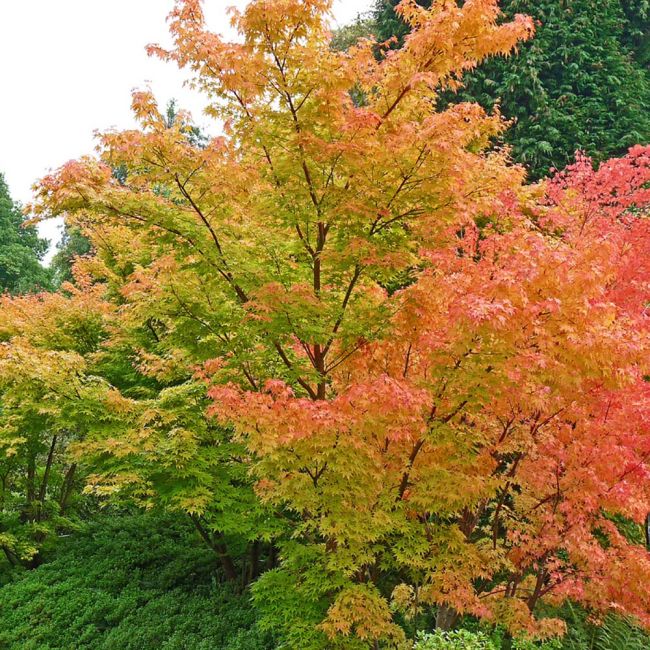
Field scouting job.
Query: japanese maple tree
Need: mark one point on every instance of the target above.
(49, 393)
(432, 372)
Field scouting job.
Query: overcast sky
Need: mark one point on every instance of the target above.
(68, 68)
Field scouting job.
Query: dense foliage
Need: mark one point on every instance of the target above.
(50, 398)
(457, 640)
(72, 244)
(384, 380)
(21, 249)
(582, 83)
(128, 583)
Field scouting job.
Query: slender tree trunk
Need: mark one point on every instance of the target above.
(254, 560)
(273, 557)
(66, 488)
(446, 617)
(217, 544)
(46, 477)
(10, 556)
(226, 561)
(4, 489)
(537, 591)
(28, 513)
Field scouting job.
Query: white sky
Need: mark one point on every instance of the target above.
(68, 68)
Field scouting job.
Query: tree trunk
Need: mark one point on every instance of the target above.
(446, 617)
(10, 556)
(273, 557)
(254, 559)
(226, 561)
(28, 512)
(46, 477)
(217, 544)
(66, 488)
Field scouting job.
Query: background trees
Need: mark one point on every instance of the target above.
(21, 249)
(72, 245)
(581, 84)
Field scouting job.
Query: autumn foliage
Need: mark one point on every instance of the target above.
(348, 329)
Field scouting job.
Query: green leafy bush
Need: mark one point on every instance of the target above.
(456, 640)
(128, 583)
(615, 632)
(529, 644)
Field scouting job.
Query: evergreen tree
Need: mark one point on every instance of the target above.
(579, 84)
(388, 24)
(637, 29)
(73, 244)
(347, 35)
(21, 249)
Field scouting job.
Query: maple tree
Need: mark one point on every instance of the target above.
(349, 329)
(48, 394)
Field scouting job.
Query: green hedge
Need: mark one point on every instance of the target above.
(128, 583)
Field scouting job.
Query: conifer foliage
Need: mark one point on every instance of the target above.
(21, 249)
(582, 83)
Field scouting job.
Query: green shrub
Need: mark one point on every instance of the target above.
(529, 644)
(615, 633)
(128, 583)
(456, 640)
(466, 639)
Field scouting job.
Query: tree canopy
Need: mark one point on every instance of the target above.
(21, 249)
